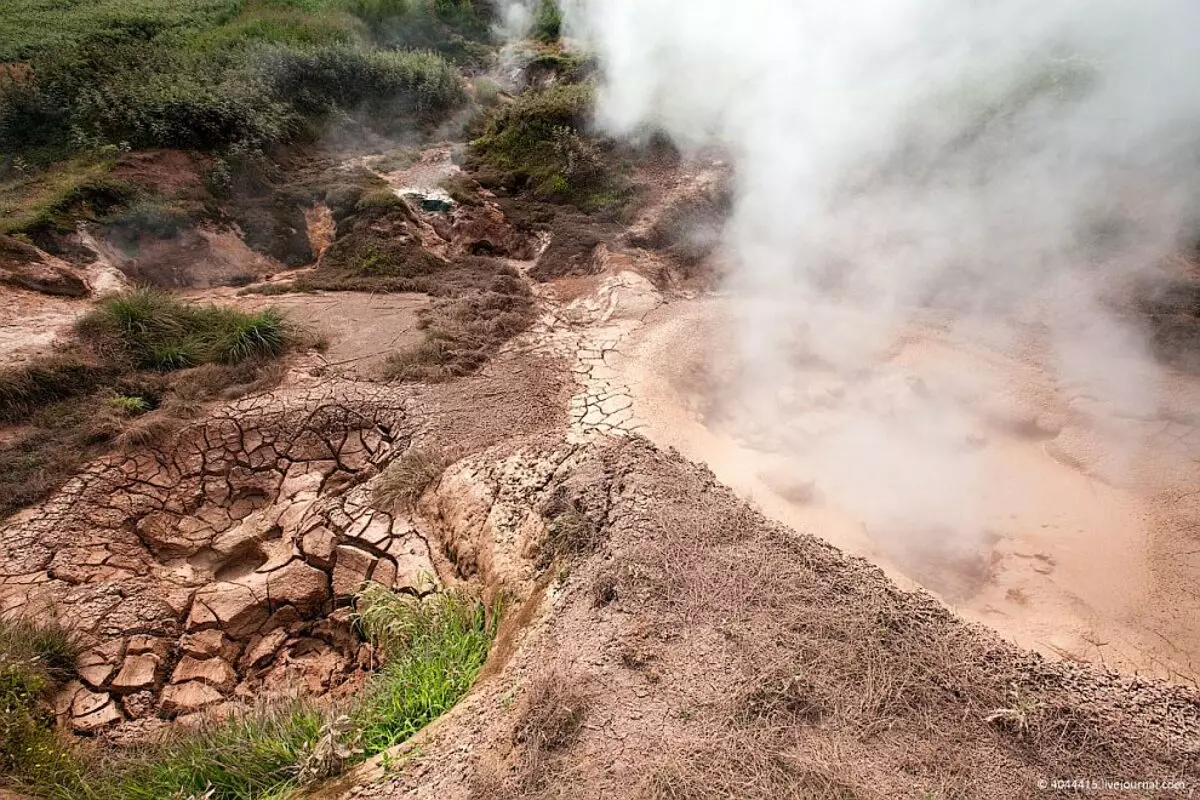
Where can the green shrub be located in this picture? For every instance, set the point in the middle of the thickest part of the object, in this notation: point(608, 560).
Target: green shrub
point(389, 88)
point(151, 215)
point(380, 200)
point(79, 197)
point(539, 141)
point(129, 404)
point(547, 23)
point(231, 75)
point(153, 330)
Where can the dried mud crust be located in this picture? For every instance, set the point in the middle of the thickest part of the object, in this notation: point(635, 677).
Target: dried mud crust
point(702, 651)
point(218, 568)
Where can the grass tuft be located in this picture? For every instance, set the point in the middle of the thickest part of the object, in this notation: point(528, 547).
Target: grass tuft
point(155, 331)
point(406, 479)
point(35, 661)
point(434, 649)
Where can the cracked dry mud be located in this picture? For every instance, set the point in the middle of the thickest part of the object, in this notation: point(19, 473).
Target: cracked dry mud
point(189, 570)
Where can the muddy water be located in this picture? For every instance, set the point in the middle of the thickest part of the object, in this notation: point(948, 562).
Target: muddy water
point(1070, 525)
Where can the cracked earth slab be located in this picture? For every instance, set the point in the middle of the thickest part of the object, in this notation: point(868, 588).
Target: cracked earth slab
point(219, 567)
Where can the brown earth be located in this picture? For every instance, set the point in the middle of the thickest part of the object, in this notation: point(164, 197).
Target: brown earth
point(667, 639)
point(703, 651)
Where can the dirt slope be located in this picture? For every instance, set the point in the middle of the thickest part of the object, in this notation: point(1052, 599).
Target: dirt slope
point(701, 651)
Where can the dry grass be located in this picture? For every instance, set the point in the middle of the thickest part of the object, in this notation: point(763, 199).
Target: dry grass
point(771, 643)
point(462, 333)
point(69, 423)
point(555, 707)
point(569, 532)
point(748, 767)
point(409, 476)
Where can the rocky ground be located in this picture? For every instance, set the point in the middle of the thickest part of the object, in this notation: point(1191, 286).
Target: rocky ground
point(664, 638)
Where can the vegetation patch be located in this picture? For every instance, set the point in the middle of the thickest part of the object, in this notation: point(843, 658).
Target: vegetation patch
point(554, 711)
point(35, 662)
point(462, 333)
point(407, 478)
point(539, 144)
point(152, 330)
point(432, 649)
point(222, 74)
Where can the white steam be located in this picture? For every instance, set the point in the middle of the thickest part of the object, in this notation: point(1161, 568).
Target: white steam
point(1001, 165)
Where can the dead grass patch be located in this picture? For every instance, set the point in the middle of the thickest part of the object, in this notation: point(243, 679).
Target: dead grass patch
point(66, 425)
point(409, 476)
point(555, 709)
point(462, 333)
point(781, 641)
point(745, 768)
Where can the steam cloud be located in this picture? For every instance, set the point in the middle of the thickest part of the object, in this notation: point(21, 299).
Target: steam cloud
point(997, 167)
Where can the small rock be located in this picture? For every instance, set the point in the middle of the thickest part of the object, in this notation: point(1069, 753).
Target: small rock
point(351, 570)
point(230, 606)
point(139, 705)
point(286, 618)
point(106, 715)
point(299, 585)
point(207, 644)
point(215, 672)
point(185, 698)
point(138, 672)
point(263, 648)
point(141, 644)
point(318, 547)
point(385, 573)
point(85, 702)
point(94, 669)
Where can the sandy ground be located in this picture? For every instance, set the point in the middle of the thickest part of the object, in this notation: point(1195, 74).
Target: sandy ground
point(1069, 526)
point(360, 329)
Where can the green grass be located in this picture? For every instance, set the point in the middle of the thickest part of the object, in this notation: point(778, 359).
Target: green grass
point(35, 661)
point(153, 330)
point(433, 649)
point(128, 404)
point(218, 74)
point(540, 143)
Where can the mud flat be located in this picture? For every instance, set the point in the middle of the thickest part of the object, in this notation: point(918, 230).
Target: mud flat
point(1025, 503)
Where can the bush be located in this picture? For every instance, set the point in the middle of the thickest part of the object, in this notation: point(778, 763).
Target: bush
point(270, 75)
point(547, 23)
point(391, 89)
point(539, 143)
